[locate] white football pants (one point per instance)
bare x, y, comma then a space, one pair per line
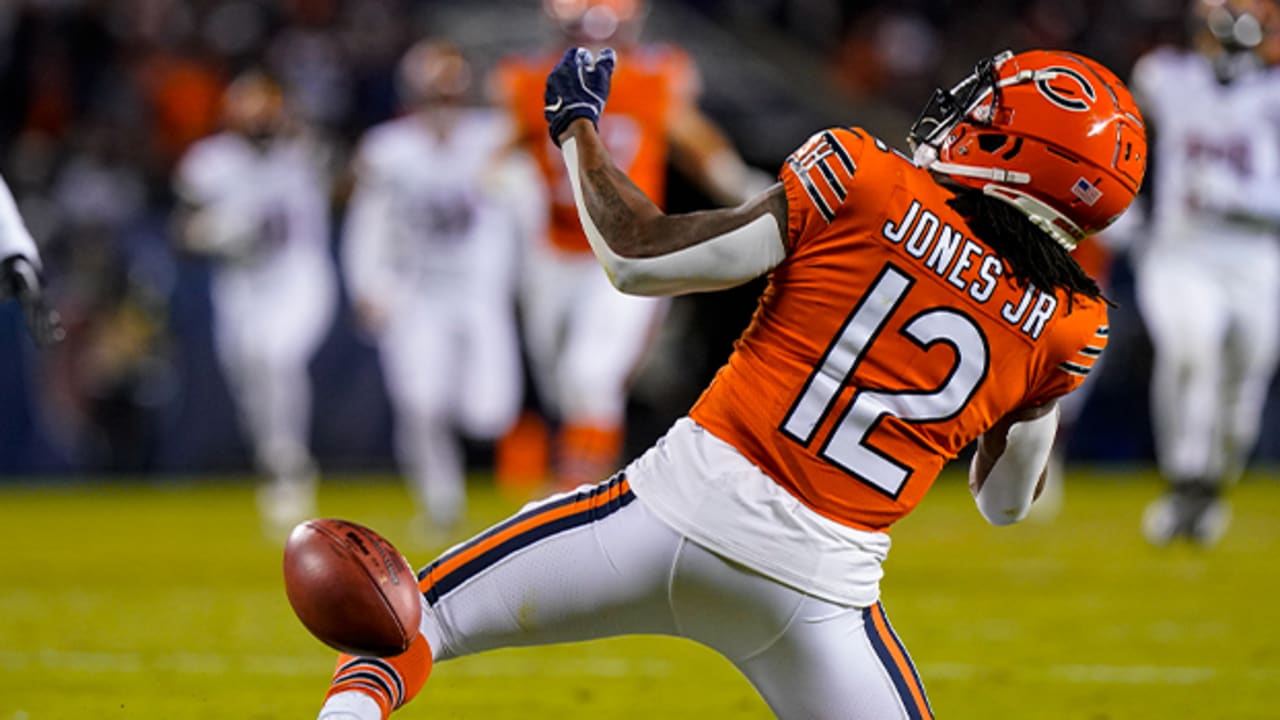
584, 337
451, 364
1213, 314
266, 328
596, 563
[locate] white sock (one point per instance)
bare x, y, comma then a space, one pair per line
350, 705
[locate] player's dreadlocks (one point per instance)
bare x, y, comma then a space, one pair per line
1030, 255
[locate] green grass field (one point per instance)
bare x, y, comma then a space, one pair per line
165, 601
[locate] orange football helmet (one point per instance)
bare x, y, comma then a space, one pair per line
594, 23
1054, 134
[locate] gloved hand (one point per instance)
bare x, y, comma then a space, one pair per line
18, 279
577, 87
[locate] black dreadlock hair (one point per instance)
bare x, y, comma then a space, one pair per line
1029, 254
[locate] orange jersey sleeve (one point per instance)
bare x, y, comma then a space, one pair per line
649, 86
887, 340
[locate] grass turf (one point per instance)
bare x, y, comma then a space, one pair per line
164, 600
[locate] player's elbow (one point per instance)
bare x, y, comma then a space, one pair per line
634, 278
1003, 494
1002, 515
621, 273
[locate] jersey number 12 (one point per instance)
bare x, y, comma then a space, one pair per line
847, 446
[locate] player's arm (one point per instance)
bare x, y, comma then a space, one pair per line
213, 229
215, 216
20, 273
1008, 469
643, 250
514, 181
365, 248
1256, 201
701, 151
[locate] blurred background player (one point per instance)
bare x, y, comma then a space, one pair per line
256, 203
584, 338
430, 257
1208, 280
20, 272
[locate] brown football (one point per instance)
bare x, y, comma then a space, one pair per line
351, 588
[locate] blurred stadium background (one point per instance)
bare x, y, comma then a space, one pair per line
100, 98
160, 598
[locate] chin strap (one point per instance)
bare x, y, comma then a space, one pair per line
1053, 223
1056, 225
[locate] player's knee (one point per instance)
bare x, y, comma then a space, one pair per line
488, 422
593, 392
1190, 360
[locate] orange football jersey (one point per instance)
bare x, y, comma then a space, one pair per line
1094, 258
887, 340
650, 85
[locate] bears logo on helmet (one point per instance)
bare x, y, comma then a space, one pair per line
1054, 134
1067, 97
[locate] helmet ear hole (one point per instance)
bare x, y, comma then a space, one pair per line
991, 142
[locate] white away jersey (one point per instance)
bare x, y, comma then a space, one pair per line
1211, 139
424, 214
14, 238
265, 210
264, 213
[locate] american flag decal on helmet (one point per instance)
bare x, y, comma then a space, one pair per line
1086, 191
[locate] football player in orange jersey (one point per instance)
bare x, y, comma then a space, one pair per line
915, 305
584, 338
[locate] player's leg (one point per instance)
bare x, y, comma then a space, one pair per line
273, 409
290, 322
1249, 363
490, 385
547, 296
1253, 348
608, 333
1187, 318
282, 397
809, 658
421, 365
582, 565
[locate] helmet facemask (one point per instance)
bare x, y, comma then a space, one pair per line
947, 108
